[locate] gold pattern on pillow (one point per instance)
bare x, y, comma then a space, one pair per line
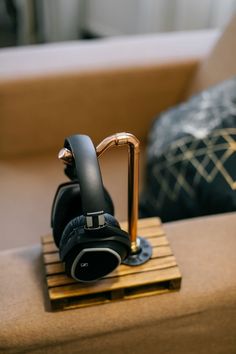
205, 157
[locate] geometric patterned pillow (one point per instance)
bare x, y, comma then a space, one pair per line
194, 174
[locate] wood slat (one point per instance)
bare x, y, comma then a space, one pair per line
163, 251
49, 258
153, 264
57, 268
47, 239
143, 223
49, 247
108, 284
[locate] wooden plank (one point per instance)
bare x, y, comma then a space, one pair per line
156, 252
143, 223
54, 268
150, 232
159, 275
49, 247
47, 239
51, 258
57, 268
153, 264
110, 284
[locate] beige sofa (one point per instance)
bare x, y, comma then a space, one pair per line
98, 88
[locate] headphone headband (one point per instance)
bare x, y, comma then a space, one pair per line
89, 177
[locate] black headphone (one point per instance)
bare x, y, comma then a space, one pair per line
90, 240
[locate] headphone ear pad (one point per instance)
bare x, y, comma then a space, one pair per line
109, 206
121, 243
70, 230
79, 222
103, 249
111, 220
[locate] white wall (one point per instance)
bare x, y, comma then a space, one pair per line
113, 17
60, 20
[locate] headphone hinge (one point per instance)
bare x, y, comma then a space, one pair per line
95, 220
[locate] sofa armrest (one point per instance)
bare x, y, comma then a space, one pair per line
98, 87
198, 319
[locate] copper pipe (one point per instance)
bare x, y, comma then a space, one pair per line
121, 139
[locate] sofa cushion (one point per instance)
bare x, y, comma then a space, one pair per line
191, 157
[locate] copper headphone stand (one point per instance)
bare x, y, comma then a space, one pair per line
151, 269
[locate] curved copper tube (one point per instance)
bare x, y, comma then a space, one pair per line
121, 139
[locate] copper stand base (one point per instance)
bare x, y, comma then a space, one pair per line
143, 254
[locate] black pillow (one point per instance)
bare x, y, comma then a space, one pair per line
191, 157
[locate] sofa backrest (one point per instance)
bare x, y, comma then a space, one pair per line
220, 64
98, 88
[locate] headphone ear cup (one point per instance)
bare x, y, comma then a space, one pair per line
111, 220
121, 241
66, 206
109, 206
101, 251
73, 226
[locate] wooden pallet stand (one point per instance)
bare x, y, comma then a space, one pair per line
159, 275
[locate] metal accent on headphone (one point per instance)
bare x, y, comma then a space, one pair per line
66, 156
95, 220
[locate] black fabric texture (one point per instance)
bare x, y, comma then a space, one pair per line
76, 237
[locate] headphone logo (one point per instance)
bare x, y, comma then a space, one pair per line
83, 265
